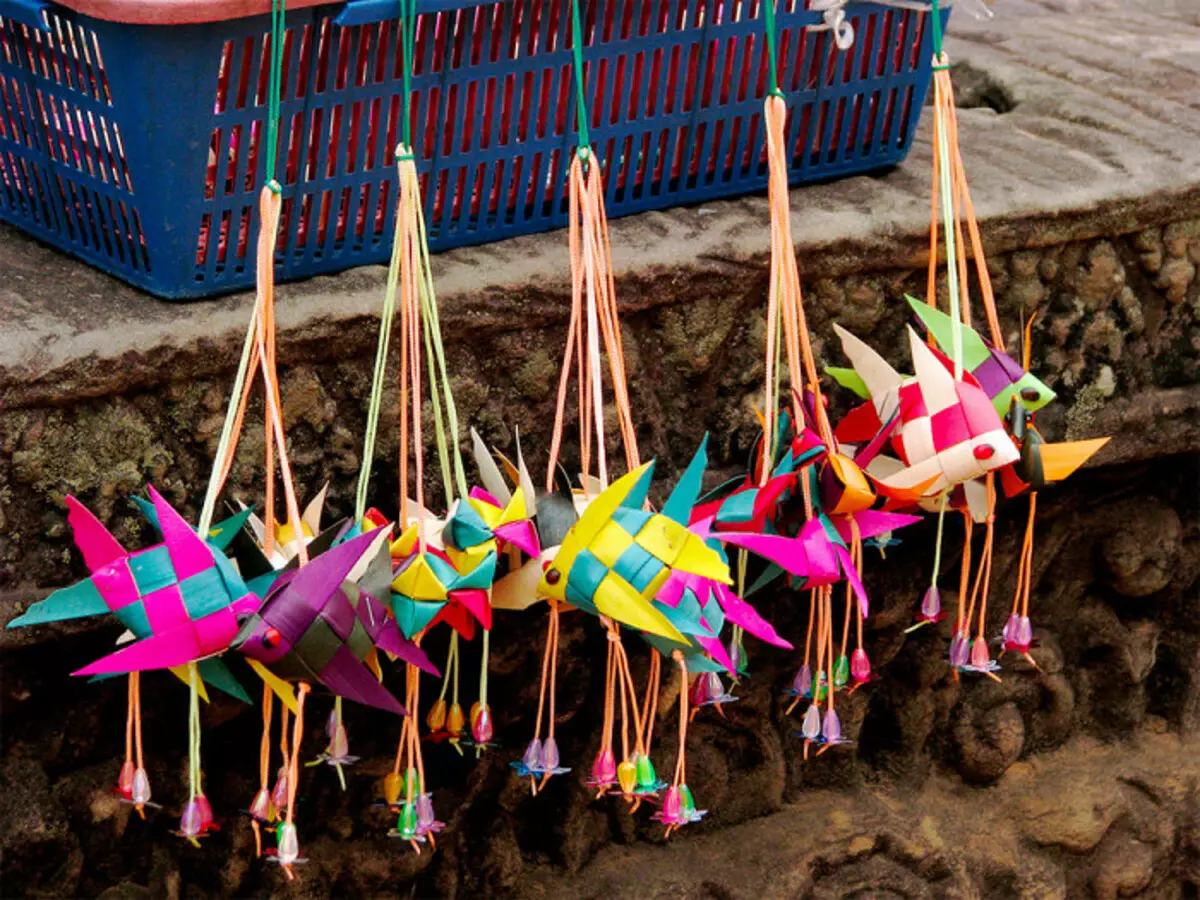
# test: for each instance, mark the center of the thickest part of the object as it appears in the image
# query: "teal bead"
(687, 801)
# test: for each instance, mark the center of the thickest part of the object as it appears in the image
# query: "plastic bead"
(436, 717)
(332, 723)
(339, 744)
(627, 776)
(190, 823)
(279, 796)
(427, 820)
(533, 755)
(672, 805)
(980, 655)
(1010, 628)
(831, 731)
(125, 780)
(288, 843)
(860, 665)
(960, 649)
(811, 726)
(141, 787)
(260, 807)
(1024, 634)
(549, 759)
(699, 692)
(647, 778)
(686, 800)
(406, 825)
(455, 721)
(206, 813)
(841, 671)
(931, 604)
(393, 787)
(713, 688)
(737, 656)
(481, 726)
(802, 683)
(604, 768)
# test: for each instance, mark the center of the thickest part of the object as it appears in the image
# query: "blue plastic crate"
(136, 147)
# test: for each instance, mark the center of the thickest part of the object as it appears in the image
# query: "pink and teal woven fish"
(180, 598)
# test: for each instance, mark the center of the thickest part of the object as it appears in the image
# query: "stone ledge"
(1101, 139)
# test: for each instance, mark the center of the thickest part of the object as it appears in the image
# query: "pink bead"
(125, 780)
(672, 805)
(604, 767)
(279, 796)
(206, 813)
(860, 665)
(980, 656)
(931, 604)
(481, 728)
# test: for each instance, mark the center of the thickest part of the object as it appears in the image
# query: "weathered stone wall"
(1116, 321)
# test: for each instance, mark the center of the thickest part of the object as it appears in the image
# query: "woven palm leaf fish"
(180, 598)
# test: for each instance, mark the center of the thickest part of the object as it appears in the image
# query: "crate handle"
(27, 12)
(368, 12)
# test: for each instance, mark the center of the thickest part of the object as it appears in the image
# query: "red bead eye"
(984, 451)
(271, 638)
(552, 576)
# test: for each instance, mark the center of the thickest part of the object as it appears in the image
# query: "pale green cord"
(454, 646)
(937, 547)
(193, 732)
(769, 413)
(483, 671)
(239, 382)
(381, 353)
(951, 248)
(451, 656)
(430, 311)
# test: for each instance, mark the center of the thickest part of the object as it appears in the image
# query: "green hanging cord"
(937, 547)
(936, 19)
(274, 88)
(772, 53)
(585, 141)
(381, 353)
(434, 324)
(408, 41)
